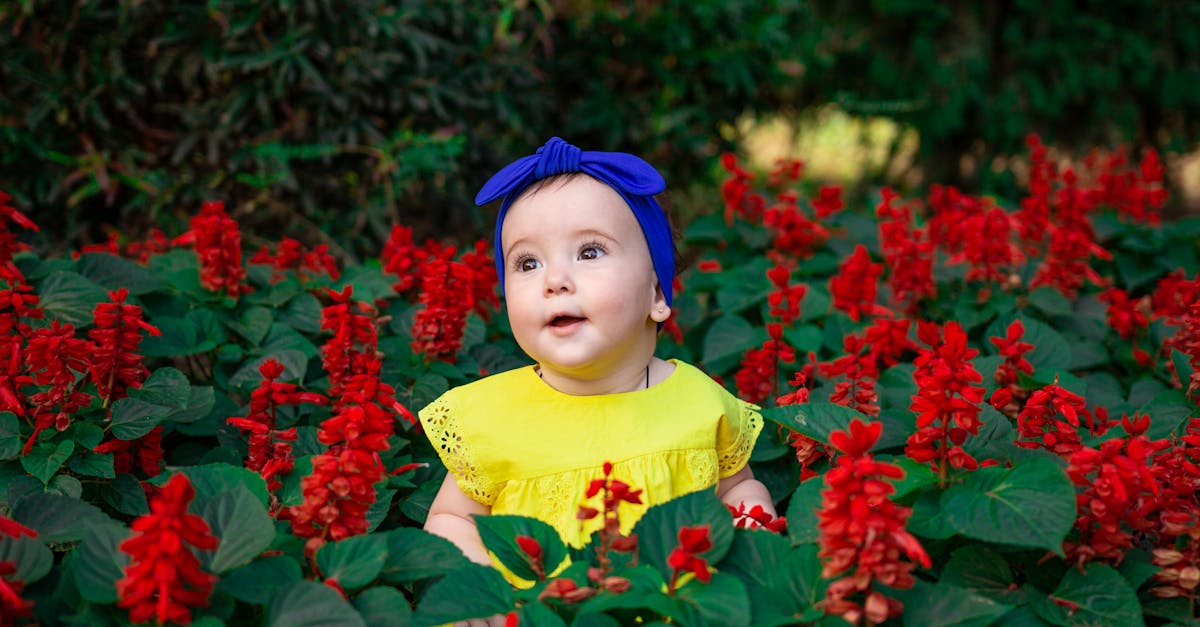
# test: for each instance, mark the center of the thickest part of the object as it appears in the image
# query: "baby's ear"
(659, 310)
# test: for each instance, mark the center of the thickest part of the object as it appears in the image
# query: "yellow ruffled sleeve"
(737, 432)
(445, 431)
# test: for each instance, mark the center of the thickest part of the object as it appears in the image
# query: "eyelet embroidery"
(442, 427)
(732, 459)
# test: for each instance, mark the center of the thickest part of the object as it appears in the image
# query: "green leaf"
(928, 519)
(721, 601)
(414, 554)
(370, 283)
(303, 313)
(726, 340)
(1031, 504)
(133, 418)
(1102, 597)
(100, 563)
(212, 479)
(354, 562)
(32, 559)
(166, 387)
(282, 338)
(258, 581)
(89, 464)
(200, 402)
(1137, 567)
(1050, 301)
(253, 325)
(295, 364)
(995, 438)
(70, 297)
(180, 337)
(802, 512)
(10, 436)
(981, 570)
(310, 604)
(782, 582)
(125, 494)
(45, 458)
(242, 524)
(471, 591)
(658, 530)
(385, 607)
(1169, 413)
(937, 605)
(58, 518)
(499, 536)
(816, 420)
(112, 272)
(896, 386)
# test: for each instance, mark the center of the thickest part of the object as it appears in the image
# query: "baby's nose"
(558, 281)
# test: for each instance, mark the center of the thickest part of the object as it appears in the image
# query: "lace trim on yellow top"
(442, 428)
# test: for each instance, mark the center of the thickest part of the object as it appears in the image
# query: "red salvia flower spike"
(163, 581)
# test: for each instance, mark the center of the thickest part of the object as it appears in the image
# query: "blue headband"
(635, 180)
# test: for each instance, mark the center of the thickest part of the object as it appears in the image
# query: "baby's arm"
(450, 517)
(742, 487)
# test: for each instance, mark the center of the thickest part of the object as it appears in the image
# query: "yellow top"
(521, 447)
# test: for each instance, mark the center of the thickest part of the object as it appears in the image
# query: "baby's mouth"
(563, 321)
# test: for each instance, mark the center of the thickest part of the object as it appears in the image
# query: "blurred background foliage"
(329, 121)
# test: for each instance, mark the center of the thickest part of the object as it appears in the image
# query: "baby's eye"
(527, 264)
(591, 251)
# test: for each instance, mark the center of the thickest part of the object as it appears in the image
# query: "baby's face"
(579, 285)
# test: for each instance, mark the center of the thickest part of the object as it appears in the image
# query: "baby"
(586, 261)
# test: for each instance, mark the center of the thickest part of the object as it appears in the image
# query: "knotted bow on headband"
(635, 180)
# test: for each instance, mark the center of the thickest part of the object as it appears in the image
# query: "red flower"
(163, 580)
(483, 279)
(116, 364)
(154, 244)
(8, 240)
(291, 256)
(12, 606)
(907, 253)
(1013, 350)
(854, 286)
(447, 293)
(685, 558)
(785, 300)
(1050, 420)
(828, 201)
(218, 244)
(355, 339)
(796, 235)
(14, 529)
(735, 191)
(533, 554)
(270, 452)
(54, 355)
(858, 366)
(1125, 315)
(756, 379)
(401, 258)
(786, 170)
(988, 251)
(341, 488)
(148, 450)
(863, 530)
(756, 517)
(1120, 492)
(709, 266)
(947, 398)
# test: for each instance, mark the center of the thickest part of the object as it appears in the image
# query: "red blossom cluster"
(291, 256)
(947, 399)
(757, 378)
(756, 517)
(163, 580)
(156, 242)
(786, 170)
(54, 357)
(863, 531)
(950, 211)
(341, 488)
(989, 253)
(116, 364)
(147, 451)
(12, 606)
(1178, 534)
(447, 295)
(1119, 491)
(857, 365)
(1050, 420)
(796, 235)
(685, 558)
(828, 201)
(740, 199)
(9, 245)
(1013, 350)
(355, 342)
(270, 452)
(785, 300)
(1136, 193)
(907, 253)
(855, 285)
(218, 243)
(1128, 317)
